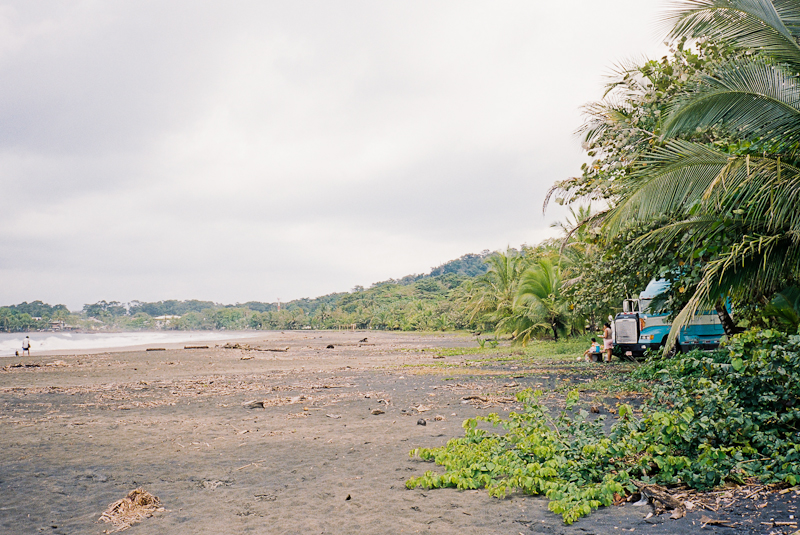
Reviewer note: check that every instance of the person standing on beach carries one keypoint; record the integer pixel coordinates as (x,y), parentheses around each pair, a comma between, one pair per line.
(26,345)
(608,342)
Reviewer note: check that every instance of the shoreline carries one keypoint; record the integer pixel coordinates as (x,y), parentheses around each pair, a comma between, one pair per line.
(177,344)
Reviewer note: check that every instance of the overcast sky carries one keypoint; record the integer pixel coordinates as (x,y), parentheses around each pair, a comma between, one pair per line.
(235,151)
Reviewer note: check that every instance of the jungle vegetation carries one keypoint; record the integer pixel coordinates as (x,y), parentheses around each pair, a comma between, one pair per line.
(695,173)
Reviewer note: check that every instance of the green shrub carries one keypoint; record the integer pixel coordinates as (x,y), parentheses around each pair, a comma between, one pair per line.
(714,417)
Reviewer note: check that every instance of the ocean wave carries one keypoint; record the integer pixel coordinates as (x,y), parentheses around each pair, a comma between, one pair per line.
(67,341)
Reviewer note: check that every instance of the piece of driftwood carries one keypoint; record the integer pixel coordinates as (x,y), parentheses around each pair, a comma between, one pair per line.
(156,349)
(195,347)
(704,521)
(237,345)
(661,500)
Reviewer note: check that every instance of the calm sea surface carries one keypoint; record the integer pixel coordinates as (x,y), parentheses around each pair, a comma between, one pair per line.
(66,341)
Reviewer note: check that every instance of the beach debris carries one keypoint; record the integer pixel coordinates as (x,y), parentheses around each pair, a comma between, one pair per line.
(348,496)
(32,365)
(422,408)
(376,411)
(438,356)
(246,357)
(195,347)
(254,463)
(334,416)
(329,346)
(512,384)
(264,403)
(156,349)
(705,521)
(438,418)
(58,364)
(487,400)
(212,485)
(661,499)
(362,341)
(248,347)
(133,508)
(422,421)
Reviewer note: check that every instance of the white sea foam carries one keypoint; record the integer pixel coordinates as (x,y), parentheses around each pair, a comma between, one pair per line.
(12,342)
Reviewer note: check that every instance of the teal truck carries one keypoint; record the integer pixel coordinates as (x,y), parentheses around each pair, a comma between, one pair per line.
(639,328)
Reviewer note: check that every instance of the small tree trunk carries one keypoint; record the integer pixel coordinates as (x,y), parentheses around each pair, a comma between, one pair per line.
(728,324)
(555,331)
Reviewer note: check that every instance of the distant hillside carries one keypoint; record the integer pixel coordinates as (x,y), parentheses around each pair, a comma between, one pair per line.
(469,265)
(414,302)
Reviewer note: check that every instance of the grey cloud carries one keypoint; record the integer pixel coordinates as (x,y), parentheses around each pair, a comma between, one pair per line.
(145,147)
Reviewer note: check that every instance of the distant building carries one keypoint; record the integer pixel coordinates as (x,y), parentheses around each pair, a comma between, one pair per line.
(163,321)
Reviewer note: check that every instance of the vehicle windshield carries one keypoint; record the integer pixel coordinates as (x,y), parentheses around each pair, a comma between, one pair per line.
(645,304)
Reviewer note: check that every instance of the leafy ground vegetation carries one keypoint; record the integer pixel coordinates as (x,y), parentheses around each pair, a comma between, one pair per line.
(724,416)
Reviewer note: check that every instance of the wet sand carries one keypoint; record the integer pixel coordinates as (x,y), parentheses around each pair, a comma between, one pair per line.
(81,431)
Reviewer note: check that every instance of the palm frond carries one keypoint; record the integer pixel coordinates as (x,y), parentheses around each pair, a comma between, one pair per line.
(672,179)
(699,227)
(751,98)
(768,193)
(602,116)
(770,27)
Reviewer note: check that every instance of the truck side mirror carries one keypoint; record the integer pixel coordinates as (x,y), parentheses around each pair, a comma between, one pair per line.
(626,306)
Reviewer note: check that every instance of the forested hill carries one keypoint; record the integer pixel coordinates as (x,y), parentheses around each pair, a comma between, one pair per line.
(420,301)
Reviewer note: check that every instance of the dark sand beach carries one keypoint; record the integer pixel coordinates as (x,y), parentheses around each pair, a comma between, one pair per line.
(80,431)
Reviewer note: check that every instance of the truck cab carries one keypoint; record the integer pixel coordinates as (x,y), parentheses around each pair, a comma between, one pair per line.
(639,327)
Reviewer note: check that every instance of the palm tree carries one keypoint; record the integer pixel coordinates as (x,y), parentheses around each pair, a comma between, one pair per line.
(490,298)
(745,185)
(539,302)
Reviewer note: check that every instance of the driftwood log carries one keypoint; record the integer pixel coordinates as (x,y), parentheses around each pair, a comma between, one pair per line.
(661,500)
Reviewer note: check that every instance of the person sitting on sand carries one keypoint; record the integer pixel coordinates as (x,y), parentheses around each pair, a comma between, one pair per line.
(593,349)
(26,345)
